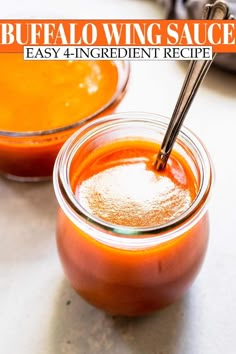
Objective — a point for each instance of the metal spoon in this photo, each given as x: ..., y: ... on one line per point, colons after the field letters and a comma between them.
x: 195, y: 75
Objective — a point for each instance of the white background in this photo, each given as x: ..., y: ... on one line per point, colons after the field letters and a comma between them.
x: 34, y: 317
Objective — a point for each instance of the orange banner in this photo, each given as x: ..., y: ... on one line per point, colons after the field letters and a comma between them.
x: 15, y: 34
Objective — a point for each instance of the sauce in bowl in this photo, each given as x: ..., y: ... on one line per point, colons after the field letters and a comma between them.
x: 43, y: 102
x: 45, y: 95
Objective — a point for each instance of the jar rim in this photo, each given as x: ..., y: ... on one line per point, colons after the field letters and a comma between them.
x: 126, y: 234
x: 121, y: 87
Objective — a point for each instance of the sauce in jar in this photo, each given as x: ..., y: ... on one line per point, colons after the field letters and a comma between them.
x: 131, y: 239
x: 119, y: 185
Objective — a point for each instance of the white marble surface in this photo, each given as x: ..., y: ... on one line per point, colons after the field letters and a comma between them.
x: 35, y: 315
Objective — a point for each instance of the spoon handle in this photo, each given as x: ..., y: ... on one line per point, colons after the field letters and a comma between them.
x: 195, y: 75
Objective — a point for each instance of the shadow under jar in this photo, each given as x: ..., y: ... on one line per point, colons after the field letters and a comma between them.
x: 122, y: 269
x: 43, y: 102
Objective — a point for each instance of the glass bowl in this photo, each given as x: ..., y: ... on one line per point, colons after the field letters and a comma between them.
x: 30, y: 155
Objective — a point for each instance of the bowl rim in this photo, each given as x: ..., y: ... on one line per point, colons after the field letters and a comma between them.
x: 123, y: 80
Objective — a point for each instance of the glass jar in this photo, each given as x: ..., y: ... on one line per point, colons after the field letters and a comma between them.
x: 126, y: 270
x: 30, y: 155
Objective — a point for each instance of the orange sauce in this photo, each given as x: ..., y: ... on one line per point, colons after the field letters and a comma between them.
x: 45, y: 95
x: 122, y: 187
x: 117, y: 183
